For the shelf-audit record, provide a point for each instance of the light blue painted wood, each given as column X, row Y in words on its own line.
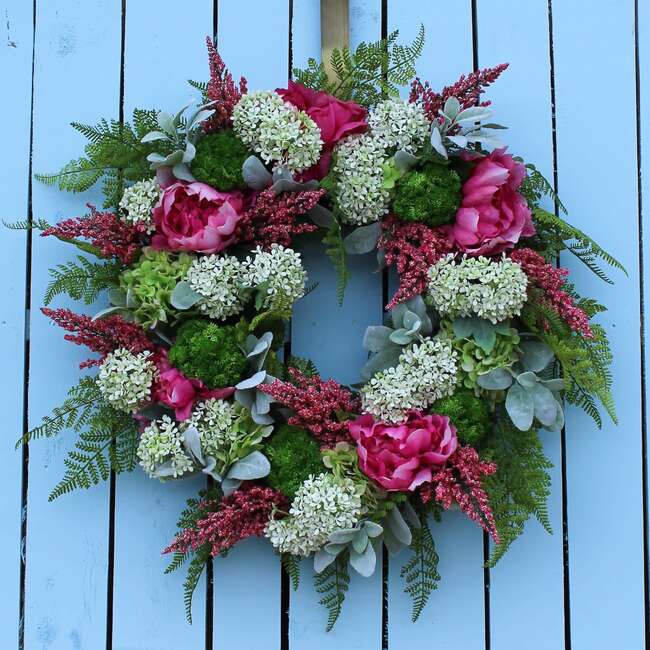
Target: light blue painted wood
column 331, row 336
column 594, row 63
column 459, row 598
column 76, row 77
column 536, row 558
column 146, row 510
column 253, row 562
column 16, row 61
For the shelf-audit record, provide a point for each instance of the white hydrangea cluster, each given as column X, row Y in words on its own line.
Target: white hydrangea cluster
column 276, row 130
column 138, row 201
column 213, row 419
column 322, row 505
column 219, row 281
column 490, row 289
column 398, row 124
column 280, row 269
column 162, row 442
column 360, row 194
column 424, row 373
column 125, row 379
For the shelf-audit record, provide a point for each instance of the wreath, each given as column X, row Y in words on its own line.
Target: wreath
column 484, row 339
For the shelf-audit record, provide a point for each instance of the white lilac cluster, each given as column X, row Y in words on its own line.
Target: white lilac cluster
column 276, row 130
column 280, row 272
column 494, row 290
column 214, row 419
column 125, row 379
column 424, row 373
column 218, row 280
column 162, row 442
column 398, row 124
column 360, row 194
column 138, row 201
column 322, row 505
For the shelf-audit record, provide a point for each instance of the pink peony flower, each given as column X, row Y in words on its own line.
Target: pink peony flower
column 196, row 217
column 402, row 456
column 179, row 392
column 493, row 215
column 334, row 117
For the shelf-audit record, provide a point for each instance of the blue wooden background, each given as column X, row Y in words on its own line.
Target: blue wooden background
column 85, row 573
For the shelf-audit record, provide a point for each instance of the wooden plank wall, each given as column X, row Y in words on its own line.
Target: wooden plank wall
column 85, row 572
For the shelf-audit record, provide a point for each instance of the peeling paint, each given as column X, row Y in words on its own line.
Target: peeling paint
column 10, row 42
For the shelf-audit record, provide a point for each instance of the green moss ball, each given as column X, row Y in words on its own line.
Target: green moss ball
column 209, row 352
column 430, row 195
column 294, row 455
column 218, row 161
column 469, row 414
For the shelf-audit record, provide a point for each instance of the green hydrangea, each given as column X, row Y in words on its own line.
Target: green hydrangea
column 294, row 455
column 468, row 413
column 430, row 195
column 151, row 280
column 218, row 161
column 209, row 352
column 475, row 361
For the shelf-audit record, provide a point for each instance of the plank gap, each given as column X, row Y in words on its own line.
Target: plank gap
column 565, row 514
column 644, row 437
column 24, row 490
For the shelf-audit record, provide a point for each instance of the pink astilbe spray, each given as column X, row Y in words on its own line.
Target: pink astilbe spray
column 551, row 280
column 460, row 482
column 110, row 236
column 413, row 248
column 273, row 218
column 221, row 90
column 467, row 90
column 102, row 336
column 243, row 514
column 316, row 405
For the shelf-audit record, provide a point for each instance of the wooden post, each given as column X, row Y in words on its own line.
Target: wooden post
column 334, row 30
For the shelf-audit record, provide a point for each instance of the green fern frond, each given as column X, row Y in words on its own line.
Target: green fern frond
column 304, row 366
column 367, row 75
column 109, row 444
column 178, row 560
column 335, row 250
column 521, row 485
column 82, row 280
column 113, row 154
column 420, row 573
column 559, row 236
column 75, row 412
column 36, row 224
column 536, row 186
column 291, row 565
column 202, row 87
column 194, row 571
column 333, row 583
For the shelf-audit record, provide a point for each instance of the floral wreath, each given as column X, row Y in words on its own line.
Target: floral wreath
column 484, row 339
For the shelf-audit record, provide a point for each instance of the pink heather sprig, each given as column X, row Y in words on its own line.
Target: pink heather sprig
column 273, row 219
column 110, row 236
column 413, row 248
column 221, row 90
column 316, row 405
column 467, row 90
column 460, row 482
column 243, row 514
column 102, row 336
column 551, row 280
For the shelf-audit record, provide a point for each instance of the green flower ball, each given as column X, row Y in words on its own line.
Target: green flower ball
column 468, row 413
column 430, row 195
column 209, row 352
column 218, row 161
column 294, row 455
column 151, row 280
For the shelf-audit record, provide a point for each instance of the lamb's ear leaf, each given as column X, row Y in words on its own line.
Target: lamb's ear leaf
column 363, row 239
column 520, row 407
column 256, row 176
column 255, row 465
column 183, row 297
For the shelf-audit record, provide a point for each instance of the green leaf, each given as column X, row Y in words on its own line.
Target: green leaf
column 335, row 249
column 520, row 407
column 333, row 583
